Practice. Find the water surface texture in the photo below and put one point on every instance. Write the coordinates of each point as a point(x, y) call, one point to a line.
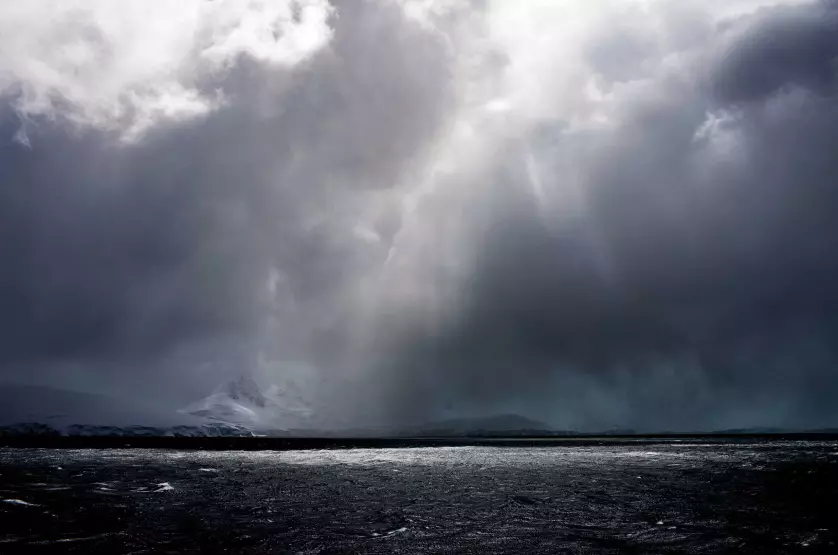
point(747, 497)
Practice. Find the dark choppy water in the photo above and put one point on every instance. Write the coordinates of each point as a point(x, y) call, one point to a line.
point(775, 497)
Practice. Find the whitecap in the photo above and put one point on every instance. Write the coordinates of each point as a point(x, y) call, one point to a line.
point(20, 502)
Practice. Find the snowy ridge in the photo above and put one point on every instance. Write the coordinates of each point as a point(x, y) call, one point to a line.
point(88, 430)
point(44, 411)
point(236, 408)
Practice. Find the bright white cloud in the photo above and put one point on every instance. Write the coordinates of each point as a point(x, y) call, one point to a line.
point(126, 65)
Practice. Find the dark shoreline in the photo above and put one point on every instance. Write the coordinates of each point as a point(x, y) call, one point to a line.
point(313, 443)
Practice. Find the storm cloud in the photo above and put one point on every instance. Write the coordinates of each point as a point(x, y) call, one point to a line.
point(618, 215)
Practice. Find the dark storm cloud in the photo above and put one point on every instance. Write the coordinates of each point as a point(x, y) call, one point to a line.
point(685, 261)
point(788, 46)
point(113, 256)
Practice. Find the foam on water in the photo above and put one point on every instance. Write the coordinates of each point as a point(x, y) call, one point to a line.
point(18, 502)
point(164, 486)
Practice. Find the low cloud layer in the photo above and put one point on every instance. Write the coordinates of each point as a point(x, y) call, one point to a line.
point(609, 216)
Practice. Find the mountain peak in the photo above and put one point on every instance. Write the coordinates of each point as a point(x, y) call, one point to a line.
point(242, 401)
point(244, 388)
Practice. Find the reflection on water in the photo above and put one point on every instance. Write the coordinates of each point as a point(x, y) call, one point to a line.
point(666, 497)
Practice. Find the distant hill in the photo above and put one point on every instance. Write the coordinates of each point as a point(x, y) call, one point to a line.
point(492, 426)
point(502, 424)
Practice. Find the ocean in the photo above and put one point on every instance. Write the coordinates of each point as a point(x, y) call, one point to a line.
point(619, 497)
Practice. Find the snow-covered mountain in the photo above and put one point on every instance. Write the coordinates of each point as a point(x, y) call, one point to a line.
point(242, 401)
point(38, 410)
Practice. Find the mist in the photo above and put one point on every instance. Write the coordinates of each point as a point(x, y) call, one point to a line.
point(604, 216)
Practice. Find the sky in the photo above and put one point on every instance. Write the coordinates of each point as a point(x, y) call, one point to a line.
point(602, 214)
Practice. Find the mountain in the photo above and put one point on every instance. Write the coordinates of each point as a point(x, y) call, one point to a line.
point(501, 424)
point(242, 401)
point(39, 410)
